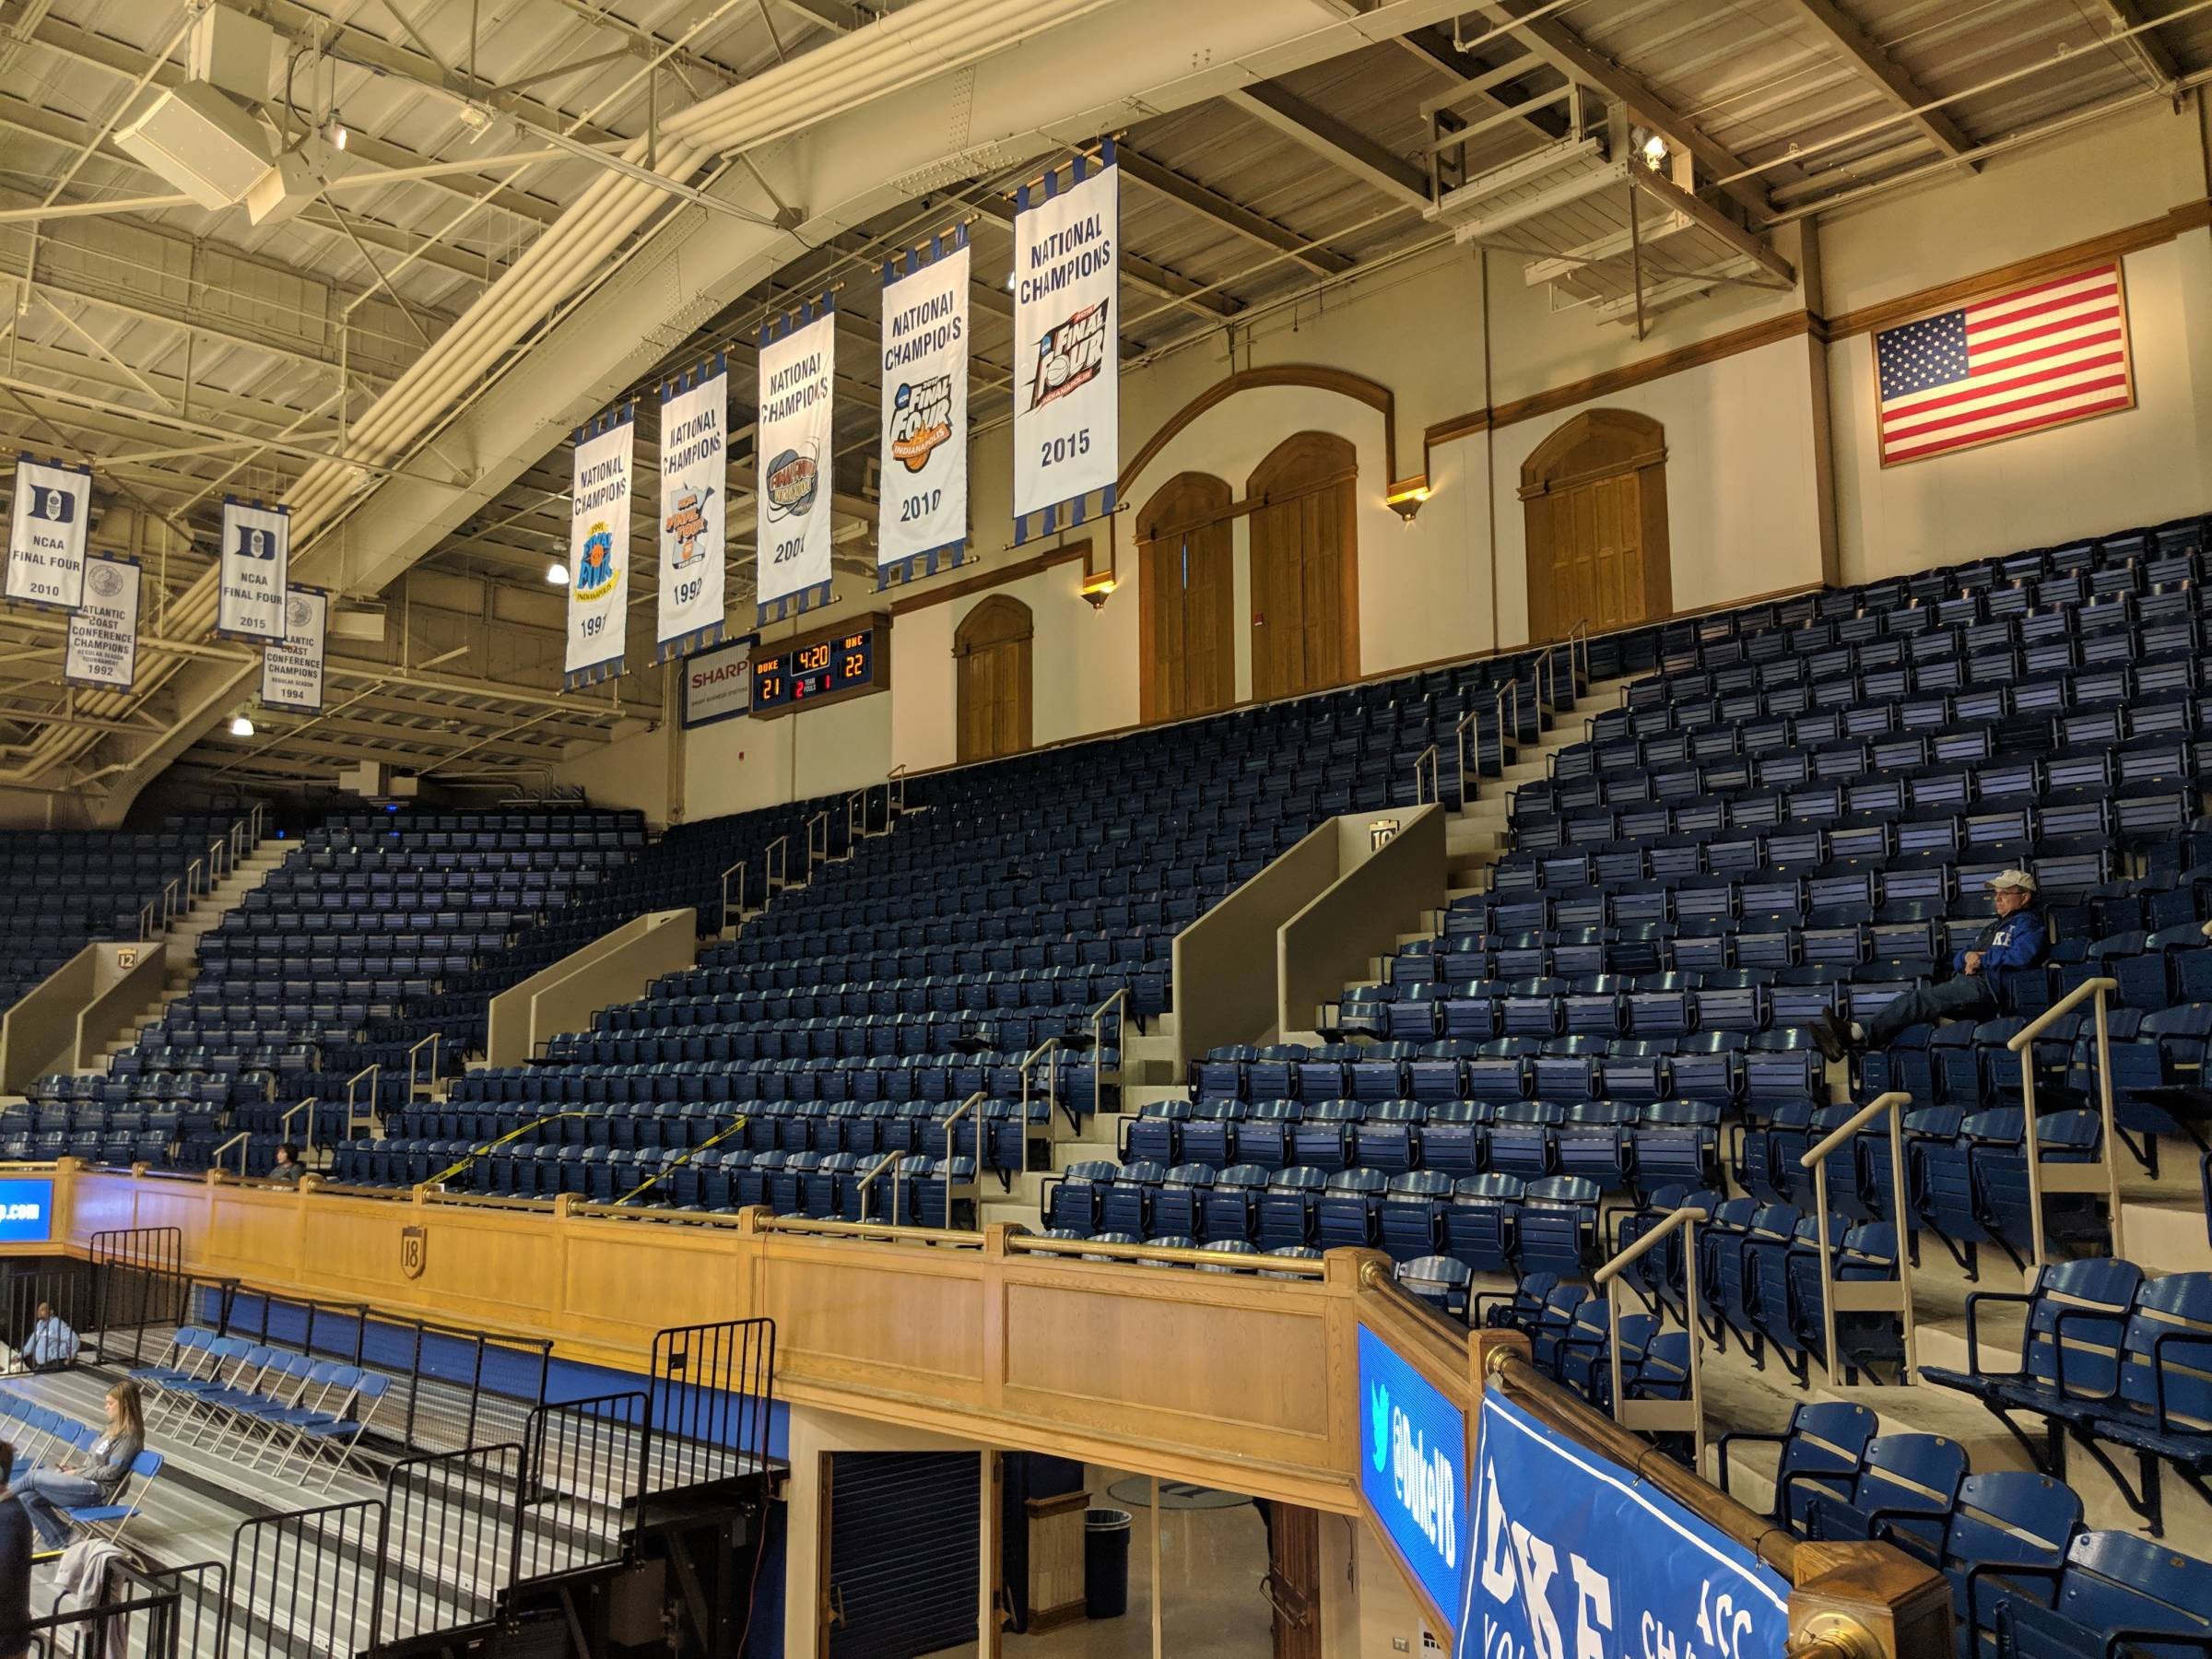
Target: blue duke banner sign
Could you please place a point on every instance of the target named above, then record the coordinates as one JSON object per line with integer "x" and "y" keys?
{"x": 256, "y": 564}
{"x": 694, "y": 499}
{"x": 1066, "y": 308}
{"x": 46, "y": 542}
{"x": 599, "y": 549}
{"x": 1575, "y": 1559}
{"x": 794, "y": 441}
{"x": 1413, "y": 1469}
{"x": 922, "y": 519}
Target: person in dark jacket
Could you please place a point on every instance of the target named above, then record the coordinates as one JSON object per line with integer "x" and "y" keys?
{"x": 45, "y": 1493}
{"x": 14, "y": 1567}
{"x": 2016, "y": 939}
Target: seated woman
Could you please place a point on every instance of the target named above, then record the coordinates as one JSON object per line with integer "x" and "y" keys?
{"x": 45, "y": 1493}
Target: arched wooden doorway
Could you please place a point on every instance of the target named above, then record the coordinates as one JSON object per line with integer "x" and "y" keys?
{"x": 991, "y": 652}
{"x": 1305, "y": 566}
{"x": 1186, "y": 588}
{"x": 1595, "y": 497}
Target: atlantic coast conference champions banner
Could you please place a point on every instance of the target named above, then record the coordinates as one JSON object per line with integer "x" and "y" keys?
{"x": 922, "y": 513}
{"x": 257, "y": 563}
{"x": 694, "y": 501}
{"x": 104, "y": 632}
{"x": 791, "y": 552}
{"x": 291, "y": 672}
{"x": 1067, "y": 387}
{"x": 46, "y": 541}
{"x": 599, "y": 548}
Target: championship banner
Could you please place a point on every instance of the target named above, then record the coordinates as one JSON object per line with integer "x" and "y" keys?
{"x": 291, "y": 672}
{"x": 46, "y": 543}
{"x": 791, "y": 548}
{"x": 1066, "y": 380}
{"x": 104, "y": 632}
{"x": 599, "y": 548}
{"x": 921, "y": 519}
{"x": 694, "y": 490}
{"x": 256, "y": 561}
{"x": 1574, "y": 1555}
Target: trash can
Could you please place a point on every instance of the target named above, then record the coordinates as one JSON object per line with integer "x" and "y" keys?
{"x": 1105, "y": 1563}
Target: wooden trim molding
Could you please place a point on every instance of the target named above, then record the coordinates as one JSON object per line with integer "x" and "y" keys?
{"x": 2112, "y": 244}
{"x": 998, "y": 576}
{"x": 1374, "y": 393}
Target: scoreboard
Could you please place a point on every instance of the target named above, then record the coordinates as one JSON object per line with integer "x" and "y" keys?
{"x": 850, "y": 661}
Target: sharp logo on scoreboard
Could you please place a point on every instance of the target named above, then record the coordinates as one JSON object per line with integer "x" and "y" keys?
{"x": 1070, "y": 356}
{"x": 792, "y": 477}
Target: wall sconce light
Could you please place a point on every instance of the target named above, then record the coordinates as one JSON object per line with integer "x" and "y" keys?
{"x": 1098, "y": 581}
{"x": 1406, "y": 496}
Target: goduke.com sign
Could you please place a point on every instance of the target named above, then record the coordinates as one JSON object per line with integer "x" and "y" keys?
{"x": 1578, "y": 1560}
{"x": 1413, "y": 1469}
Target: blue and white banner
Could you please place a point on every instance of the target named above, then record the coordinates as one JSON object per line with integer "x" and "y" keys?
{"x": 695, "y": 453}
{"x": 796, "y": 440}
{"x": 46, "y": 542}
{"x": 1576, "y": 1558}
{"x": 921, "y": 519}
{"x": 255, "y": 566}
{"x": 599, "y": 549}
{"x": 1067, "y": 269}
{"x": 104, "y": 632}
{"x": 1413, "y": 1470}
{"x": 292, "y": 672}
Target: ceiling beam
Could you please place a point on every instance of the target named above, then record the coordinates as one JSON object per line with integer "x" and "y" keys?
{"x": 1712, "y": 221}
{"x": 1568, "y": 53}
{"x": 1434, "y": 47}
{"x": 1335, "y": 142}
{"x": 1872, "y": 64}
{"x": 1230, "y": 214}
{"x": 2143, "y": 45}
{"x": 829, "y": 14}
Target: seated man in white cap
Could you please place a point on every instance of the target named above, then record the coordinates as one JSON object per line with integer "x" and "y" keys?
{"x": 2016, "y": 939}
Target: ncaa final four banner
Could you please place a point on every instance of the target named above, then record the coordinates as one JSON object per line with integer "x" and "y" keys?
{"x": 921, "y": 519}
{"x": 1067, "y": 384}
{"x": 256, "y": 562}
{"x": 291, "y": 672}
{"x": 104, "y": 632}
{"x": 599, "y": 548}
{"x": 791, "y": 550}
{"x": 46, "y": 543}
{"x": 694, "y": 489}
{"x": 1573, "y": 1555}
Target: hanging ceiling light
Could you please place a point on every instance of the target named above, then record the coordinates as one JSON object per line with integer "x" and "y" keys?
{"x": 1655, "y": 150}
{"x": 556, "y": 572}
{"x": 333, "y": 132}
{"x": 241, "y": 726}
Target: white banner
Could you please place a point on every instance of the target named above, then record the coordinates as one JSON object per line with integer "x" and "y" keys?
{"x": 256, "y": 562}
{"x": 599, "y": 549}
{"x": 104, "y": 632}
{"x": 694, "y": 487}
{"x": 791, "y": 552}
{"x": 718, "y": 684}
{"x": 923, "y": 476}
{"x": 1066, "y": 385}
{"x": 292, "y": 672}
{"x": 46, "y": 544}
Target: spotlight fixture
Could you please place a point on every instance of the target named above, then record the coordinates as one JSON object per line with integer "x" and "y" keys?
{"x": 1655, "y": 150}
{"x": 333, "y": 132}
{"x": 556, "y": 572}
{"x": 241, "y": 726}
{"x": 1406, "y": 497}
{"x": 1096, "y": 588}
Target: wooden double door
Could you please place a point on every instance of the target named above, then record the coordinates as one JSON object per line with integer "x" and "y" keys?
{"x": 1594, "y": 499}
{"x": 996, "y": 684}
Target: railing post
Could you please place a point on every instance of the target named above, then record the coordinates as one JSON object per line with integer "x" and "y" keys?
{"x": 2070, "y": 1177}
{"x": 1868, "y": 1298}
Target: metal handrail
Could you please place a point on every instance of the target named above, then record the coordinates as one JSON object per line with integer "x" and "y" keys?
{"x": 1276, "y": 1266}
{"x": 821, "y": 818}
{"x": 1050, "y": 1048}
{"x": 1436, "y": 786}
{"x": 1098, "y": 1046}
{"x": 238, "y": 1140}
{"x": 776, "y": 864}
{"x": 195, "y": 881}
{"x": 856, "y": 817}
{"x": 737, "y": 870}
{"x": 887, "y": 1162}
{"x": 965, "y": 1109}
{"x": 2077, "y": 1176}
{"x": 146, "y": 921}
{"x": 1579, "y": 634}
{"x": 373, "y": 1071}
{"x": 168, "y": 903}
{"x": 894, "y": 790}
{"x": 1507, "y": 736}
{"x": 1867, "y": 1295}
{"x": 284, "y": 1124}
{"x": 1655, "y": 1414}
{"x": 1459, "y": 746}
{"x": 217, "y": 868}
{"x": 414, "y": 1050}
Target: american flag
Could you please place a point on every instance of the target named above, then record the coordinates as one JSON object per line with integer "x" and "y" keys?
{"x": 2036, "y": 356}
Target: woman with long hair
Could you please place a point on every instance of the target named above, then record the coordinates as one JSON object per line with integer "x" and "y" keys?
{"x": 45, "y": 1493}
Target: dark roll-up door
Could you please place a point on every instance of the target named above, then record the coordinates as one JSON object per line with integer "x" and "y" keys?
{"x": 901, "y": 1573}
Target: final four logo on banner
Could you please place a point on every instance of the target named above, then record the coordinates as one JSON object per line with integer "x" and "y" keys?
{"x": 255, "y": 563}
{"x": 790, "y": 549}
{"x": 921, "y": 519}
{"x": 694, "y": 492}
{"x": 104, "y": 632}
{"x": 599, "y": 548}
{"x": 46, "y": 543}
{"x": 1066, "y": 380}
{"x": 292, "y": 672}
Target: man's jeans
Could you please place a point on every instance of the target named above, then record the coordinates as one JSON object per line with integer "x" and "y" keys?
{"x": 1967, "y": 996}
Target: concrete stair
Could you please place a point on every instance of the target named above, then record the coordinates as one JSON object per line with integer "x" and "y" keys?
{"x": 180, "y": 943}
{"x": 1476, "y": 834}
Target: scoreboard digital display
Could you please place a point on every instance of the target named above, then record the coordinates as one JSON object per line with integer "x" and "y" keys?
{"x": 832, "y": 666}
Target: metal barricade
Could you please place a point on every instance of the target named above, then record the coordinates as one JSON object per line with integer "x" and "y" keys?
{"x": 451, "y": 1540}
{"x": 583, "y": 1484}
{"x": 138, "y": 1284}
{"x": 307, "y": 1581}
